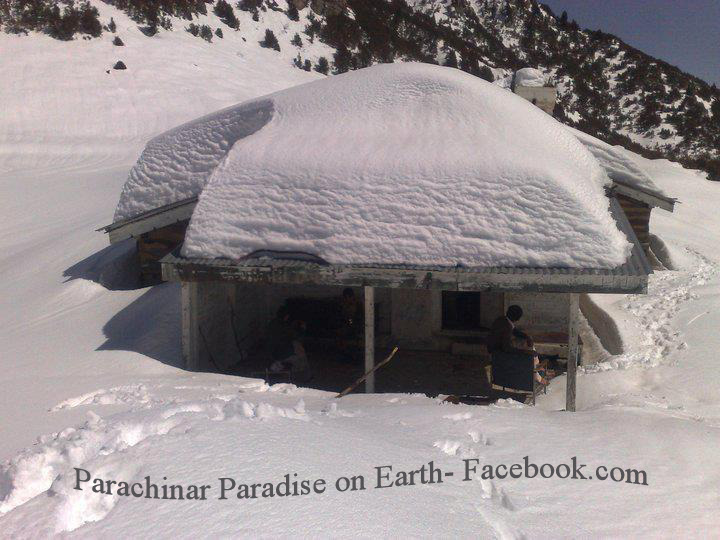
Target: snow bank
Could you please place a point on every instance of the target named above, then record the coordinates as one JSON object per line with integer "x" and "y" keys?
{"x": 618, "y": 163}
{"x": 406, "y": 163}
{"x": 529, "y": 77}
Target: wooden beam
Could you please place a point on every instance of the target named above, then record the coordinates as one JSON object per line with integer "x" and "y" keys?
{"x": 366, "y": 375}
{"x": 572, "y": 352}
{"x": 189, "y": 307}
{"x": 369, "y": 338}
{"x": 561, "y": 282}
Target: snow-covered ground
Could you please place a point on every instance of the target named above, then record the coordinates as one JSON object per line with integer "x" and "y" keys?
{"x": 88, "y": 375}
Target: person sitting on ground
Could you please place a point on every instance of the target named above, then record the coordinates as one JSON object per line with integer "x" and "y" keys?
{"x": 285, "y": 348}
{"x": 505, "y": 337}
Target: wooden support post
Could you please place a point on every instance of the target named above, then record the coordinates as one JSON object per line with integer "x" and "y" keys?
{"x": 572, "y": 352}
{"x": 189, "y": 307}
{"x": 369, "y": 338}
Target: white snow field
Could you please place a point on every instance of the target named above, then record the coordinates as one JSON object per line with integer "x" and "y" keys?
{"x": 88, "y": 372}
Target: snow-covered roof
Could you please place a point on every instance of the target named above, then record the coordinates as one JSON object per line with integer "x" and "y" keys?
{"x": 619, "y": 164}
{"x": 397, "y": 163}
{"x": 529, "y": 77}
{"x": 177, "y": 164}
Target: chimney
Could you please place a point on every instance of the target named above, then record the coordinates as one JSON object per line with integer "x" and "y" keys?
{"x": 531, "y": 84}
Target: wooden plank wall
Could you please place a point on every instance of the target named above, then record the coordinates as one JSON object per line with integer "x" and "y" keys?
{"x": 154, "y": 245}
{"x": 638, "y": 214}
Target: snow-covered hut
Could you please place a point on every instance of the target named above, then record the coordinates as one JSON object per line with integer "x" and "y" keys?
{"x": 437, "y": 196}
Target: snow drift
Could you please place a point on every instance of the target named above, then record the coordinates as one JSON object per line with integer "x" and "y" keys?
{"x": 400, "y": 163}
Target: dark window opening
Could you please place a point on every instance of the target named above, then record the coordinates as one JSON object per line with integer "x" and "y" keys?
{"x": 460, "y": 310}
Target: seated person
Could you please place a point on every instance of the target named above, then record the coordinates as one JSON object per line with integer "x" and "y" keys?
{"x": 506, "y": 338}
{"x": 284, "y": 346}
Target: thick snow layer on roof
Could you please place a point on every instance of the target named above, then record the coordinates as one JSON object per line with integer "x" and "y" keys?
{"x": 529, "y": 77}
{"x": 408, "y": 163}
{"x": 177, "y": 164}
{"x": 618, "y": 163}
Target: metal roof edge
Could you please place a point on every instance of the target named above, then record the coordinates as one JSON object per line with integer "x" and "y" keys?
{"x": 152, "y": 219}
{"x": 647, "y": 196}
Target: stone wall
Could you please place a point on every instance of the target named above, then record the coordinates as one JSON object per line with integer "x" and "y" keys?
{"x": 415, "y": 318}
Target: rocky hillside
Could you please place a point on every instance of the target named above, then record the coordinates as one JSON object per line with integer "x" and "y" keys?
{"x": 606, "y": 87}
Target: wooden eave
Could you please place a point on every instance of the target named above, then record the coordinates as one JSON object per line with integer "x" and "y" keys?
{"x": 150, "y": 220}
{"x": 650, "y": 198}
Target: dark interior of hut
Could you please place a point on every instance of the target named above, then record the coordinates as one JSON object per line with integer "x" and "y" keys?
{"x": 331, "y": 334}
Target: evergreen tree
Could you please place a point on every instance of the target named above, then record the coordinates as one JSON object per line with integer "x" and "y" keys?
{"x": 206, "y": 33}
{"x": 118, "y": 42}
{"x": 450, "y": 59}
{"x": 650, "y": 117}
{"x": 219, "y": 33}
{"x": 342, "y": 59}
{"x": 715, "y": 109}
{"x": 292, "y": 11}
{"x": 307, "y": 66}
{"x": 564, "y": 19}
{"x": 112, "y": 26}
{"x": 270, "y": 41}
{"x": 322, "y": 66}
{"x": 249, "y": 5}
{"x": 469, "y": 64}
{"x": 64, "y": 26}
{"x": 152, "y": 16}
{"x": 88, "y": 22}
{"x": 226, "y": 13}
{"x": 296, "y": 40}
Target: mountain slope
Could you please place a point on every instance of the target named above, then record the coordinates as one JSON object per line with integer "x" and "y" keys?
{"x": 607, "y": 88}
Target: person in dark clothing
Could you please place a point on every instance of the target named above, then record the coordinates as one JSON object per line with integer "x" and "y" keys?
{"x": 503, "y": 332}
{"x": 505, "y": 337}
